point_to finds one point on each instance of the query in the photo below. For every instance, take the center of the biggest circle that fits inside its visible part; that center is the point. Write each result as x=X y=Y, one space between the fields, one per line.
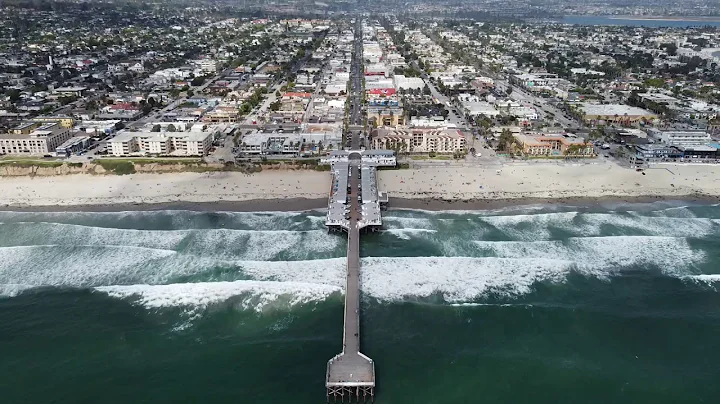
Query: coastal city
x=263 y=201
x=239 y=93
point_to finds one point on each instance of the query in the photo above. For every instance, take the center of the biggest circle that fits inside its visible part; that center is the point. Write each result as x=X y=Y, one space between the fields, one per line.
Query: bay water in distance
x=674 y=22
x=535 y=304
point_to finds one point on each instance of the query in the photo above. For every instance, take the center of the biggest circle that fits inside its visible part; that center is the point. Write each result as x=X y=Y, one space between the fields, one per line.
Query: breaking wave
x=247 y=295
x=182 y=258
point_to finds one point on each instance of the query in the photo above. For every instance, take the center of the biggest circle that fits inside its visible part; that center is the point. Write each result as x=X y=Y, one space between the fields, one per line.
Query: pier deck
x=351 y=373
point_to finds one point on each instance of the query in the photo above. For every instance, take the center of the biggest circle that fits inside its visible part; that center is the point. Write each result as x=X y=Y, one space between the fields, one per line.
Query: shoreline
x=665 y=18
x=252 y=205
x=308 y=204
x=432 y=204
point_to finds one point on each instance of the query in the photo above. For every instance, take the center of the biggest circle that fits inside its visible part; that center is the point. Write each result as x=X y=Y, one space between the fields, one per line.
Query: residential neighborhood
x=258 y=88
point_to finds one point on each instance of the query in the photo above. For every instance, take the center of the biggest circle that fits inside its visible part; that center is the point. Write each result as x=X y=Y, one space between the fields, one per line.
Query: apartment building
x=419 y=140
x=193 y=143
x=207 y=65
x=34 y=140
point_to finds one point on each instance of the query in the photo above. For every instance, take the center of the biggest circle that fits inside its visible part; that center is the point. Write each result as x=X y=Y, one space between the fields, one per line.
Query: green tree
x=155 y=128
x=506 y=140
x=171 y=128
x=595 y=134
x=654 y=82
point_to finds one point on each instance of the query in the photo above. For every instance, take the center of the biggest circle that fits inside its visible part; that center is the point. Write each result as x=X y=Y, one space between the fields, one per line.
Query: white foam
x=600 y=255
x=395 y=222
x=220 y=243
x=708 y=279
x=263 y=245
x=457 y=279
x=13 y=289
x=530 y=227
x=406 y=234
x=537 y=226
x=51 y=265
x=29 y=233
x=327 y=271
x=83 y=266
x=254 y=295
x=652 y=225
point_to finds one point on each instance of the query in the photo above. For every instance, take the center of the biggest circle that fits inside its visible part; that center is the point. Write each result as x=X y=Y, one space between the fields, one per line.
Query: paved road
x=543 y=106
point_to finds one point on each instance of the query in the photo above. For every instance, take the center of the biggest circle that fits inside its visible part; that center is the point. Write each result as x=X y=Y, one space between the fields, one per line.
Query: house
x=70 y=91
x=137 y=68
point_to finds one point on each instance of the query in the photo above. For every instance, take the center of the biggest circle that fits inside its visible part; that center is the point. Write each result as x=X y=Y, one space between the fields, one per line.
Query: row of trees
x=253 y=101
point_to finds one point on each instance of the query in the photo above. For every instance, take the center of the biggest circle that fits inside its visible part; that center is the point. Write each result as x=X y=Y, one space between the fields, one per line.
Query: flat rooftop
x=614 y=109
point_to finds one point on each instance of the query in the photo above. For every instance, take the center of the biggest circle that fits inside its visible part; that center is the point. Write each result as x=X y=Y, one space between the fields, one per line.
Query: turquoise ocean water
x=532 y=304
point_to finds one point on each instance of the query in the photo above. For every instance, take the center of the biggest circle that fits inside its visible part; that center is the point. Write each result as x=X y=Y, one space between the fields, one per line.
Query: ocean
x=533 y=304
x=675 y=22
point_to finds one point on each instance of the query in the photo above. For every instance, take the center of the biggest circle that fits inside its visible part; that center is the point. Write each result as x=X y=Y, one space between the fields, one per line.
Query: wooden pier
x=351 y=375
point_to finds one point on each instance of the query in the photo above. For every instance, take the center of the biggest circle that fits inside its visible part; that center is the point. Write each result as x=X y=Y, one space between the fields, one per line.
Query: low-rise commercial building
x=313 y=140
x=64 y=120
x=473 y=106
x=73 y=145
x=554 y=145
x=681 y=138
x=614 y=113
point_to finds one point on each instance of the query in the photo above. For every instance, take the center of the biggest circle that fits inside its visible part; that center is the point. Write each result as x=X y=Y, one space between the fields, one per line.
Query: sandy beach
x=467 y=187
x=209 y=188
x=552 y=181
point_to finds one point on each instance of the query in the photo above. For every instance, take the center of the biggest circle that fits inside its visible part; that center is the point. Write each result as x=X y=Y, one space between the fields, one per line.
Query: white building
x=207 y=65
x=529 y=80
x=473 y=106
x=193 y=143
x=684 y=138
x=37 y=140
x=408 y=83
